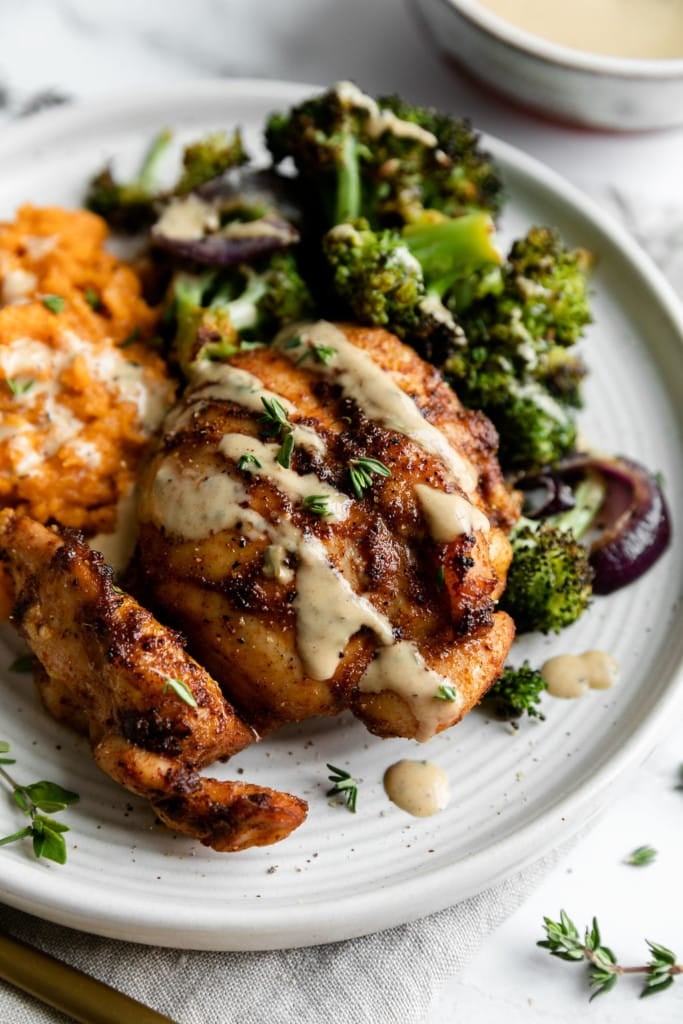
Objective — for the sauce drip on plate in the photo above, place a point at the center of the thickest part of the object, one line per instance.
(418, 787)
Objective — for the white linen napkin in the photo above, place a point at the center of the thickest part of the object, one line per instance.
(391, 977)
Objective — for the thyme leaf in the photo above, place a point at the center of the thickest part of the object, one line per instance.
(284, 454)
(19, 387)
(55, 303)
(361, 471)
(564, 941)
(46, 833)
(317, 504)
(344, 785)
(248, 460)
(181, 690)
(641, 856)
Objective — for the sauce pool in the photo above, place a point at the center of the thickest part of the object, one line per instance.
(571, 675)
(418, 787)
(645, 29)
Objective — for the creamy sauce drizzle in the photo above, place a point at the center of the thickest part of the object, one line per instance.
(418, 787)
(380, 398)
(381, 121)
(292, 484)
(187, 219)
(226, 383)
(449, 515)
(328, 611)
(619, 28)
(571, 675)
(402, 669)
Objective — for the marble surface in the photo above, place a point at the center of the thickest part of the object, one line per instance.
(75, 48)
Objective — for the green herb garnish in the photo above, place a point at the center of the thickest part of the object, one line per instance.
(181, 690)
(361, 471)
(46, 833)
(55, 303)
(19, 387)
(641, 856)
(284, 454)
(274, 418)
(446, 691)
(92, 297)
(344, 785)
(317, 504)
(563, 941)
(248, 460)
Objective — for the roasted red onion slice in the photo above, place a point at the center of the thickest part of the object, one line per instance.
(220, 226)
(634, 521)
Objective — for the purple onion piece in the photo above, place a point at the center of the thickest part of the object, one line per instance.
(545, 495)
(230, 246)
(635, 520)
(254, 188)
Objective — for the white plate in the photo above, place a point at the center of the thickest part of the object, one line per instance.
(513, 796)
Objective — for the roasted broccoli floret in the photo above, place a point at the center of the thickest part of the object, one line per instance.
(518, 364)
(400, 280)
(130, 205)
(383, 160)
(549, 582)
(213, 313)
(518, 691)
(134, 205)
(210, 158)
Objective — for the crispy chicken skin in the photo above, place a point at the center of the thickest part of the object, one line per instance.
(247, 619)
(104, 662)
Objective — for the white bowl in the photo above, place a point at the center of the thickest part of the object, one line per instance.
(573, 86)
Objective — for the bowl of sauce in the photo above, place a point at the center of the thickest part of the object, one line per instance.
(610, 64)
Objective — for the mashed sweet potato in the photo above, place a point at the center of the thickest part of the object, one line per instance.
(80, 390)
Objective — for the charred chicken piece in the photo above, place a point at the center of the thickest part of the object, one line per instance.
(327, 524)
(154, 716)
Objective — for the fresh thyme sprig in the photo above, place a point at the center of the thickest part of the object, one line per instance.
(563, 941)
(275, 421)
(248, 460)
(641, 856)
(181, 690)
(284, 455)
(19, 387)
(344, 785)
(361, 471)
(317, 504)
(321, 354)
(55, 303)
(46, 833)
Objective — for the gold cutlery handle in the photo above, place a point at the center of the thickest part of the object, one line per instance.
(67, 989)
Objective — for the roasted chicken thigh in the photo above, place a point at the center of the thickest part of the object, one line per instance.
(154, 716)
(326, 523)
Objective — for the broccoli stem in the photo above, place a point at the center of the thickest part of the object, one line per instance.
(349, 189)
(446, 248)
(588, 500)
(589, 496)
(146, 178)
(243, 310)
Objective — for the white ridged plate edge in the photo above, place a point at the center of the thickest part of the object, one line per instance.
(513, 796)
